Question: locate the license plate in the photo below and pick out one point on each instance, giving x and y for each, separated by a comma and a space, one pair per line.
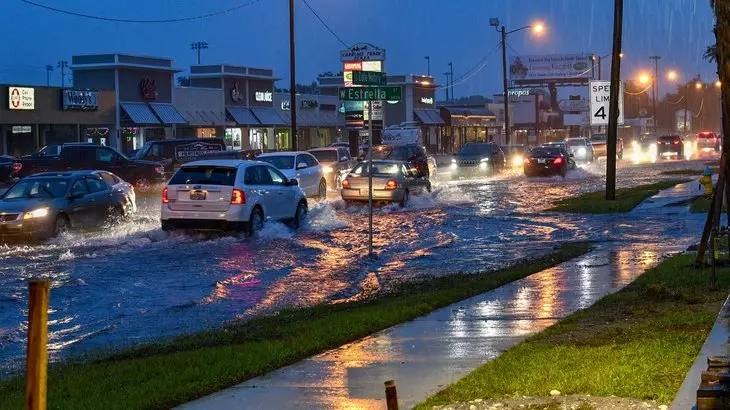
541, 161
197, 195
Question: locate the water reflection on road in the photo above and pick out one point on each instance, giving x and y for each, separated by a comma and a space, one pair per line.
134, 282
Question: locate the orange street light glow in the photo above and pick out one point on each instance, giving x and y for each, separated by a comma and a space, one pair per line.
538, 28
672, 75
718, 84
698, 85
644, 79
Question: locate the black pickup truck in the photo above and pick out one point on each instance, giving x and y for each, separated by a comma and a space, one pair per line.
144, 175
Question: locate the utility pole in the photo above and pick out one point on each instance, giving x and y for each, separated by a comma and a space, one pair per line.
654, 88
504, 85
197, 46
600, 70
593, 67
447, 86
451, 72
62, 64
293, 78
49, 68
613, 100
428, 65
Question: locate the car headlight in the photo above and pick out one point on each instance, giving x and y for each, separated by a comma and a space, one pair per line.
453, 160
635, 144
582, 152
484, 160
38, 213
454, 166
517, 160
327, 169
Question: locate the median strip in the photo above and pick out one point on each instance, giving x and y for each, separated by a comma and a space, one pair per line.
189, 367
626, 199
638, 343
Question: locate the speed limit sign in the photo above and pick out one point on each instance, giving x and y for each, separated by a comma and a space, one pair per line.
600, 96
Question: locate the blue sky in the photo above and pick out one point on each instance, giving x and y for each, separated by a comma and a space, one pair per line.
446, 30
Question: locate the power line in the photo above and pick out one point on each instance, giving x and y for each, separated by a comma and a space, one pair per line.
470, 72
325, 24
120, 20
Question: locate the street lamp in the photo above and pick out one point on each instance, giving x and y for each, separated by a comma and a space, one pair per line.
199, 45
644, 78
428, 62
672, 75
537, 28
600, 60
718, 84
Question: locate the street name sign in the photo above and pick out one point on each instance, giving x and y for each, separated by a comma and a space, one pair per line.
600, 92
369, 78
369, 93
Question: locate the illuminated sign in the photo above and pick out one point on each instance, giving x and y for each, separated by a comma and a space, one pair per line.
264, 96
309, 104
80, 100
148, 88
236, 96
518, 93
363, 52
21, 98
286, 105
427, 100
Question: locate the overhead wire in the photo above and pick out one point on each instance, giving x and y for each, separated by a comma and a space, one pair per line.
479, 66
122, 20
325, 24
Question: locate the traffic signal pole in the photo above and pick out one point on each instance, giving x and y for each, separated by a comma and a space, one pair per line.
613, 100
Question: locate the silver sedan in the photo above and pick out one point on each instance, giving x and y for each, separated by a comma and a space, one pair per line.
393, 181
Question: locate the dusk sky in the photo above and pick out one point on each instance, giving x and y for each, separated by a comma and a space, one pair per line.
456, 31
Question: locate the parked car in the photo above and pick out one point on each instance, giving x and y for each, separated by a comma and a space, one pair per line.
582, 149
144, 175
122, 188
336, 163
55, 149
7, 166
707, 141
393, 181
478, 159
171, 153
670, 146
245, 155
227, 195
301, 166
600, 149
340, 145
46, 204
514, 155
414, 154
547, 161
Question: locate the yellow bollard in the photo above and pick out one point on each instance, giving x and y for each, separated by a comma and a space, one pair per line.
391, 395
36, 361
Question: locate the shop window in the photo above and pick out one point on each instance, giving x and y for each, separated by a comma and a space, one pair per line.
205, 133
282, 140
232, 138
20, 140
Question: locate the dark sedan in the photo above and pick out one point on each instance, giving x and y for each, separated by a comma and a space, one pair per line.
44, 205
546, 161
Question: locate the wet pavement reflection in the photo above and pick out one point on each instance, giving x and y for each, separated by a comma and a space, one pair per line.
134, 283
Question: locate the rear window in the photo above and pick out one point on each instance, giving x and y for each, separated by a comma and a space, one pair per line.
378, 168
329, 155
669, 138
279, 161
545, 152
706, 135
389, 152
204, 175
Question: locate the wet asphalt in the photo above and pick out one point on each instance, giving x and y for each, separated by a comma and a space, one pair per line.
134, 283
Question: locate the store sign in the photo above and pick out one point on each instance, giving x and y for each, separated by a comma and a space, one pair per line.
21, 98
309, 104
194, 150
550, 67
264, 96
236, 95
427, 100
286, 105
574, 105
363, 52
148, 88
21, 129
80, 100
518, 93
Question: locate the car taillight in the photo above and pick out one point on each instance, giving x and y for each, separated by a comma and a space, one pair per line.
238, 197
676, 142
164, 196
17, 166
391, 184
659, 142
346, 184
526, 161
558, 161
158, 170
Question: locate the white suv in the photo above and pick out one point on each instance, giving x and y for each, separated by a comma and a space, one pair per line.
230, 195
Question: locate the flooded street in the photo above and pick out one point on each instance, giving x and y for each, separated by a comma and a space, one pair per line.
134, 283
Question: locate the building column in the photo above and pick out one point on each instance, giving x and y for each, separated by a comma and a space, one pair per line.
271, 139
36, 137
3, 140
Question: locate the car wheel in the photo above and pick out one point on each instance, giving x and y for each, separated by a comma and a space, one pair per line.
61, 226
564, 172
404, 201
142, 185
428, 187
338, 182
116, 215
300, 216
256, 222
322, 193
167, 226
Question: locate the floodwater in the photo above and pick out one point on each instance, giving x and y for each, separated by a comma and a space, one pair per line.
134, 283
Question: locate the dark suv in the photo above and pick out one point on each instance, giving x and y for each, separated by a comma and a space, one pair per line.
670, 145
172, 153
478, 159
411, 153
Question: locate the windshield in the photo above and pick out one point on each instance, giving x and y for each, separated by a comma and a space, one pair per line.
208, 175
389, 152
546, 152
475, 149
379, 168
38, 188
329, 155
279, 161
49, 150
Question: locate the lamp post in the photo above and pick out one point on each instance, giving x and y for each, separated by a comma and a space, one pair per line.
451, 73
600, 61
536, 28
428, 65
197, 46
49, 68
62, 64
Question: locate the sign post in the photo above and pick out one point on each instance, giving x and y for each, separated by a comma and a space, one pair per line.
370, 178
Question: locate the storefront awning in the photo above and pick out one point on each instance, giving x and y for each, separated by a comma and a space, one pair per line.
243, 116
268, 116
168, 114
203, 118
140, 113
429, 116
470, 112
332, 119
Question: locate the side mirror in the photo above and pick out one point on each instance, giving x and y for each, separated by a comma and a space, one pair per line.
293, 182
301, 165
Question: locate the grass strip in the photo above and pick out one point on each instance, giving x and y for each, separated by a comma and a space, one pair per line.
626, 199
698, 172
701, 205
166, 374
637, 343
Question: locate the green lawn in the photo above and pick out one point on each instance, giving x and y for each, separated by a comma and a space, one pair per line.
637, 343
698, 172
702, 205
166, 374
626, 199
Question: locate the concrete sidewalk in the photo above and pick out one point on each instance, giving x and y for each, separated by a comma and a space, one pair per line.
433, 351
